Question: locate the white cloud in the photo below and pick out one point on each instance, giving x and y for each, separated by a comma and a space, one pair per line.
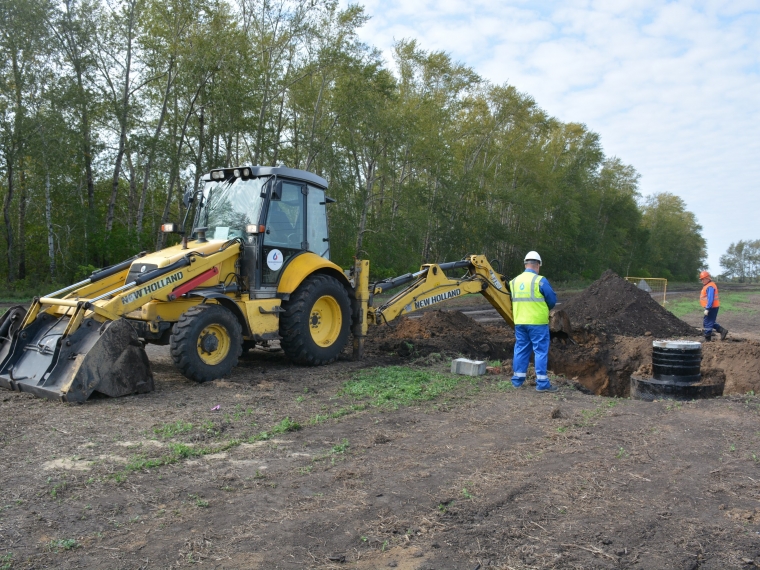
672, 88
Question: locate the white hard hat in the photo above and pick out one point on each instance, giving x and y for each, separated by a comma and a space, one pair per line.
532, 256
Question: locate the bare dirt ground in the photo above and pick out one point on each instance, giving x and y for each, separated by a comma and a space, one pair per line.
485, 476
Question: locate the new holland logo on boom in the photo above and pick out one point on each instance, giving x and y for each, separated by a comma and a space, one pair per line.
148, 289
437, 299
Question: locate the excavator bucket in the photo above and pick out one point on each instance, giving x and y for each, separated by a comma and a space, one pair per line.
107, 358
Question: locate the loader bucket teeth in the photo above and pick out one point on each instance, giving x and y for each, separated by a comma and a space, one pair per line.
106, 358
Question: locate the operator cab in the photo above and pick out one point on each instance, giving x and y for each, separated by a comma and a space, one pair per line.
276, 213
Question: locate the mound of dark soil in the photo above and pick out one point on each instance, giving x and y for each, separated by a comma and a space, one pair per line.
616, 306
450, 333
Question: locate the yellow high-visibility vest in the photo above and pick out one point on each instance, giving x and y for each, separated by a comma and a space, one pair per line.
528, 304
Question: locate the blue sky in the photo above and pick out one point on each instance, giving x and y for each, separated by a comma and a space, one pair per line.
673, 88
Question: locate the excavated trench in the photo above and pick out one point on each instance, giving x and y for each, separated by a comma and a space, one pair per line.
613, 325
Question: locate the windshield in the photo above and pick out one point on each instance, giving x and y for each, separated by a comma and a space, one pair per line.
229, 206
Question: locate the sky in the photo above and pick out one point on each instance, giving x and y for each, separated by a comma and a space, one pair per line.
672, 88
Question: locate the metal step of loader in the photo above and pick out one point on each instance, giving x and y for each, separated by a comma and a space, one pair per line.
107, 358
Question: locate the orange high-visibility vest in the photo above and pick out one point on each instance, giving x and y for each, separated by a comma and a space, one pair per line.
703, 296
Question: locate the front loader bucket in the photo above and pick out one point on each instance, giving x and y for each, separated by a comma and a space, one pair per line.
107, 358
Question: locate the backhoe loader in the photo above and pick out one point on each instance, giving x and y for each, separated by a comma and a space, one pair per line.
254, 268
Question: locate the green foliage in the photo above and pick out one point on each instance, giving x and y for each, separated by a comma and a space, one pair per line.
62, 544
677, 249
285, 426
398, 385
741, 262
427, 160
173, 429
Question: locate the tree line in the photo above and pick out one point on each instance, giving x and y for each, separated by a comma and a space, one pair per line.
109, 111
741, 262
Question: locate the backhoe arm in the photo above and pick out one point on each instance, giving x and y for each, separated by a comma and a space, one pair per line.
425, 288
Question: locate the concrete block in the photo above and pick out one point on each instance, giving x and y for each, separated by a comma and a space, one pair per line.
468, 367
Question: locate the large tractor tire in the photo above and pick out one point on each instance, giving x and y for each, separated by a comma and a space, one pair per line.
316, 322
206, 342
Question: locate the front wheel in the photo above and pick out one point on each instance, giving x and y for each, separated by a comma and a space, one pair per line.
206, 342
316, 322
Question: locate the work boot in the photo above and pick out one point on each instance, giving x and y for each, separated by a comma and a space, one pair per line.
708, 338
723, 333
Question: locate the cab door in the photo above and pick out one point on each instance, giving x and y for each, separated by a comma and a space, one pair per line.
285, 233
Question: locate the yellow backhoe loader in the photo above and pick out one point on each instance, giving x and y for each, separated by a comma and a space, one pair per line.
255, 268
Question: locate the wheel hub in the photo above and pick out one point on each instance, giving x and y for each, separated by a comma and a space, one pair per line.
214, 344
209, 343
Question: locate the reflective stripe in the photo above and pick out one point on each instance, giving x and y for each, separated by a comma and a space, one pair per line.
521, 374
532, 298
541, 377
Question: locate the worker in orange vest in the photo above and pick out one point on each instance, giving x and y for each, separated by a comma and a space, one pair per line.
710, 301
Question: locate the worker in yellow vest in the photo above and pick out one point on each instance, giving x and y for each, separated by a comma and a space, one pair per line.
710, 301
532, 299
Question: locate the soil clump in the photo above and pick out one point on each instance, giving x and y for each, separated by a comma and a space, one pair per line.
615, 306
449, 333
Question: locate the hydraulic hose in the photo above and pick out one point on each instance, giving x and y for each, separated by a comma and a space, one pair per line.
184, 262
108, 271
407, 277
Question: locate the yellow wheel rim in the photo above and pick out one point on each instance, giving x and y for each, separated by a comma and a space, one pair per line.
325, 321
213, 344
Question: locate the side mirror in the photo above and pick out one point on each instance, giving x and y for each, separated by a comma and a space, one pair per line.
277, 191
188, 198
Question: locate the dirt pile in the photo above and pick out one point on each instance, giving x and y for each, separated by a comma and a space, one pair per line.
613, 305
450, 333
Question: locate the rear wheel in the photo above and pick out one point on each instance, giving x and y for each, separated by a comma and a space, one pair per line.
206, 342
316, 322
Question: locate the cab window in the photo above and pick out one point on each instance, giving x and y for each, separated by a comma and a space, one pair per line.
316, 222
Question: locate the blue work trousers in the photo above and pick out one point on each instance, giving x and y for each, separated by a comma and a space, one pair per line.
708, 323
531, 339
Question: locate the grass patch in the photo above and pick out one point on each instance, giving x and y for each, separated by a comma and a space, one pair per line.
284, 426
199, 502
589, 417
62, 544
339, 413
729, 302
335, 452
173, 429
180, 451
393, 386
57, 488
